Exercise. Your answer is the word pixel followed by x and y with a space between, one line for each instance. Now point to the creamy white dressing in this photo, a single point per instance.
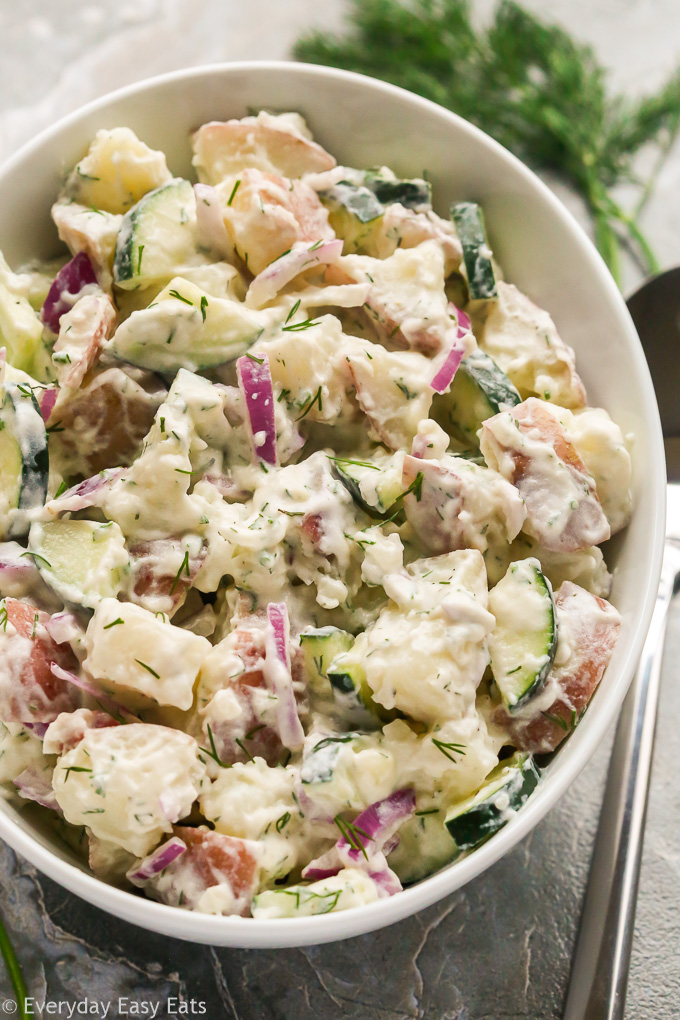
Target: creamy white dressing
pixel 369 520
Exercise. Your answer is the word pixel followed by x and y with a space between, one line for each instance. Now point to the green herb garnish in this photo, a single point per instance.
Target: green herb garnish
pixel 184 566
pixel 233 191
pixel 148 669
pixel 449 750
pixel 353 834
pixel 14 971
pixel 530 84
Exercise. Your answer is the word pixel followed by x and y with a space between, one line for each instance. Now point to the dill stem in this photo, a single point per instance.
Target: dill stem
pixel 14 971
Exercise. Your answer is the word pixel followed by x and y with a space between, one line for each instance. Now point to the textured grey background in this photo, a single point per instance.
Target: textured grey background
pixel 500 948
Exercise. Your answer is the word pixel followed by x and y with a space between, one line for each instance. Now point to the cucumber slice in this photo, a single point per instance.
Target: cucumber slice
pixel 375 488
pixel 355 215
pixel 82 561
pixel 523 642
pixel 479 391
pixel 20 332
pixel 503 792
pixel 352 695
pixel 156 237
pixel 24 462
pixel 413 194
pixel 319 648
pixel 186 328
pixel 469 222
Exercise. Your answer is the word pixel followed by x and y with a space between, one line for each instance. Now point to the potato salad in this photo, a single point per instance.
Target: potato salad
pixel 301 512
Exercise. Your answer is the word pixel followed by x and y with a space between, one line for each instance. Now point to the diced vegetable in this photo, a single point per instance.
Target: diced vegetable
pixel 528 446
pixel 349 888
pixel 255 383
pixel 23 458
pixel 412 194
pixel 504 791
pixel 352 693
pixel 157 236
pixel 523 642
pixel 67 287
pixel 117 712
pixel 469 220
pixel 21 333
pixel 319 648
pixel 29 691
pixel 479 391
pixel 354 213
pixel 157 862
pixel 588 628
pixel 186 328
pixel 82 334
pixel 303 255
pixel 82 561
pixel 278 675
pixel 375 488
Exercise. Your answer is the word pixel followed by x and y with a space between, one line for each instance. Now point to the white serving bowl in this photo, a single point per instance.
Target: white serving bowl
pixel 541 248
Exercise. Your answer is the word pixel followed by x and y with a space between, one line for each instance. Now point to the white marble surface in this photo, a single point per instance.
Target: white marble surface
pixel 500 948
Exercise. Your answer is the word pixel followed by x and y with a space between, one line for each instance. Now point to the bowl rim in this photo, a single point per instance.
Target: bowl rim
pixel 290 932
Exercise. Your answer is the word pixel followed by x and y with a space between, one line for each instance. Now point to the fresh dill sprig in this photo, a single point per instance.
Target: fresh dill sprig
pixel 529 84
pixel 353 834
pixel 14 971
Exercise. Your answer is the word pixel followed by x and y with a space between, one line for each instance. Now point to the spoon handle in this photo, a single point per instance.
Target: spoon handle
pixel 599 974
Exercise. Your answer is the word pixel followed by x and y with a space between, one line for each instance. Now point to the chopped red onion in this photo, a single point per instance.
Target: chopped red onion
pixel 66 287
pixel 211 231
pixel 48 399
pixel 379 821
pixel 387 882
pixel 255 383
pixel 326 866
pixel 461 318
pixel 443 377
pixel 278 675
pixel 84 685
pixel 156 862
pixel 35 783
pixel 38 729
pixel 85 494
pixel 63 628
pixel 455 352
pixel 286 267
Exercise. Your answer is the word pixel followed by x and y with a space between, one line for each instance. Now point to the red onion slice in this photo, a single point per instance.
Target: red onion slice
pixel 255 383
pixel 48 399
pixel 66 287
pixel 107 702
pixel 156 862
pixel 35 783
pixel 63 628
pixel 286 267
pixel 85 494
pixel 379 821
pixel 38 729
pixel 387 882
pixel 455 352
pixel 278 675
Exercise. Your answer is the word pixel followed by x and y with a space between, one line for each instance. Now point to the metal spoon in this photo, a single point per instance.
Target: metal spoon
pixel 599 974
